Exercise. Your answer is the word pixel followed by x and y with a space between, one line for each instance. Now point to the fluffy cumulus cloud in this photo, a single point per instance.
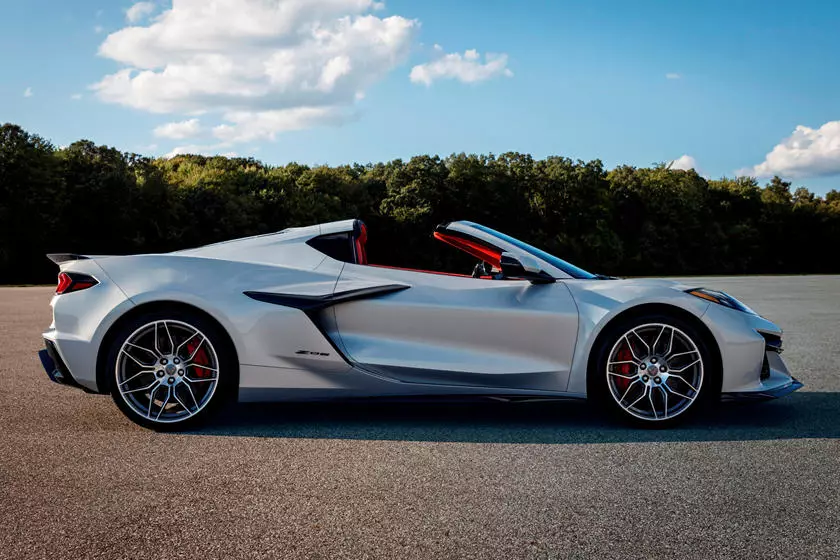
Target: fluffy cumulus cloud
pixel 466 67
pixel 179 130
pixel 140 11
pixel 808 152
pixel 254 68
pixel 684 162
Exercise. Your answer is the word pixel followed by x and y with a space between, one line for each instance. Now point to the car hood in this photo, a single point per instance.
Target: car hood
pixel 613 283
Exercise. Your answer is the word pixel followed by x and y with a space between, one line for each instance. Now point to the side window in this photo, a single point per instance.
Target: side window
pixel 338 246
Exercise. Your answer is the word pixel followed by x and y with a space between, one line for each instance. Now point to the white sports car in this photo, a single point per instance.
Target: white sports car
pixel 301 315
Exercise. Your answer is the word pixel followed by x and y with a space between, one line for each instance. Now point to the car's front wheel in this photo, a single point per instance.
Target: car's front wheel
pixel 170 369
pixel 653 370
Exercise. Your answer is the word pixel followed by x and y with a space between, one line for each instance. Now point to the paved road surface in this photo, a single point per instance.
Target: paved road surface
pixel 77 480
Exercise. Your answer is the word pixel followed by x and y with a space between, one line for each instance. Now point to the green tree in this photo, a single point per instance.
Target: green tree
pixel 30 205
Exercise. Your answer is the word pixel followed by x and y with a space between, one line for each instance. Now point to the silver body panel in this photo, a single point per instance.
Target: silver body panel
pixel 442 334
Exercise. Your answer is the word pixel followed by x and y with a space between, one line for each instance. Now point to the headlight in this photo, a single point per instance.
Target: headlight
pixel 721 298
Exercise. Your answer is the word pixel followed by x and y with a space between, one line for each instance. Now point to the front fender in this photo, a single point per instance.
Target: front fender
pixel 599 302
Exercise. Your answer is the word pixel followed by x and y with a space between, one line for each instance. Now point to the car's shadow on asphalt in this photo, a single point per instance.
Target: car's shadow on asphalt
pixel 801 415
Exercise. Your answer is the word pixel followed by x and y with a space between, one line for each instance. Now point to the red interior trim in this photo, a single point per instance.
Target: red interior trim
pixel 477 250
pixel 361 240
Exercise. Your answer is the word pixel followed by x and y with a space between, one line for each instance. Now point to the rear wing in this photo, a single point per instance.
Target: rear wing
pixel 59 258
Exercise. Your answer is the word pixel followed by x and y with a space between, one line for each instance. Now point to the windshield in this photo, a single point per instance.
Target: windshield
pixel 568 268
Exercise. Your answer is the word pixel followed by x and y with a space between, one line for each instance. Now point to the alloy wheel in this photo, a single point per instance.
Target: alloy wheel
pixel 655 372
pixel 167 371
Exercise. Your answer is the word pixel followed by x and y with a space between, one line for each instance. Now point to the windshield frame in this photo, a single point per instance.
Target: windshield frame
pixel 555 262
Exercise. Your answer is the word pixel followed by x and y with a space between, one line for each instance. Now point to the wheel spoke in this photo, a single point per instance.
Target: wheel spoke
pixel 655 342
pixel 152 385
pixel 136 375
pixel 630 346
pixel 652 406
pixel 642 341
pixel 644 394
pixel 195 350
pixel 169 336
pixel 177 398
pixel 189 389
pixel 200 380
pixel 681 378
pixel 177 351
pixel 152 352
pixel 135 360
pixel 157 349
pixel 623 362
pixel 214 370
pixel 682 369
pixel 634 376
pixel 152 401
pixel 684 354
pixel 165 402
pixel 665 396
pixel 621 400
pixel 677 393
pixel 670 344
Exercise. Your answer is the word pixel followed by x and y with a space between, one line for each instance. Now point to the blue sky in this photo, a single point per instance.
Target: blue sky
pixel 723 83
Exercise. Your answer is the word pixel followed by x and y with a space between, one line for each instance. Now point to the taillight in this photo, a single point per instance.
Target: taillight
pixel 73 282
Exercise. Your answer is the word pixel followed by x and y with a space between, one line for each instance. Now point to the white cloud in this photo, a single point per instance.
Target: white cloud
pixel 684 162
pixel 248 126
pixel 261 66
pixel 28 92
pixel 200 149
pixel 179 130
pixel 808 152
pixel 673 76
pixel 76 96
pixel 139 11
pixel 98 29
pixel 466 68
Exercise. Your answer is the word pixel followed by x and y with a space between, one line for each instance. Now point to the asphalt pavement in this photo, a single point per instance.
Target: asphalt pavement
pixel 419 480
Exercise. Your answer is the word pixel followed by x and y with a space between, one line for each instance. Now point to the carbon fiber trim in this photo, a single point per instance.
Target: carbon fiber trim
pixel 318 303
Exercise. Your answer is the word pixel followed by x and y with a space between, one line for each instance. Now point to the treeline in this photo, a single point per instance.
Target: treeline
pixel 626 221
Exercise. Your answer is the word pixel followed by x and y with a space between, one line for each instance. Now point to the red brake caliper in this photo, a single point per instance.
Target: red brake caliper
pixel 200 359
pixel 624 354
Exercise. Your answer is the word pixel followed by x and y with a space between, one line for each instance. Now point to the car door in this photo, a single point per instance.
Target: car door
pixel 461 331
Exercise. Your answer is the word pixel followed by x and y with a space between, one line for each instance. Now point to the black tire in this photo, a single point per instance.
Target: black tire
pixel 227 375
pixel 606 394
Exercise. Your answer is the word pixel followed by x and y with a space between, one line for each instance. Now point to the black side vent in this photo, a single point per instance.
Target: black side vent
pixel 765 370
pixel 338 246
pixel 772 342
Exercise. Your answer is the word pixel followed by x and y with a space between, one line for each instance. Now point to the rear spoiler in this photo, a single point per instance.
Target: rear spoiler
pixel 59 258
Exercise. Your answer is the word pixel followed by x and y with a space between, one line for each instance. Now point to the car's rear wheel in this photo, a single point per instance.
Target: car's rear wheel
pixel 171 369
pixel 653 370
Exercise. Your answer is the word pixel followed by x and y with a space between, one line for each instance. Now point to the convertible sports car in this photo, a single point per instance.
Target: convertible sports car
pixel 301 315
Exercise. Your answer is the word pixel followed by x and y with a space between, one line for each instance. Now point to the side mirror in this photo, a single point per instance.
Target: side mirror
pixel 524 266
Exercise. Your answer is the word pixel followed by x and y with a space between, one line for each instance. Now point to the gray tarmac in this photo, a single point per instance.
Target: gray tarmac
pixel 420 480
